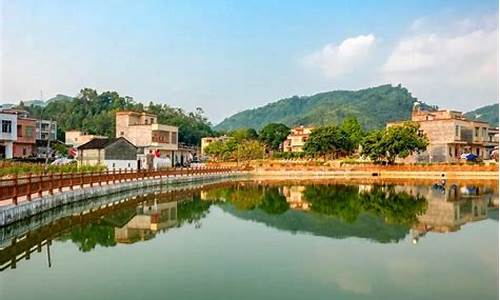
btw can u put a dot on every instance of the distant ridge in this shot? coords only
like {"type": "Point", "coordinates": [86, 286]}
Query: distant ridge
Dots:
{"type": "Point", "coordinates": [487, 113]}
{"type": "Point", "coordinates": [372, 106]}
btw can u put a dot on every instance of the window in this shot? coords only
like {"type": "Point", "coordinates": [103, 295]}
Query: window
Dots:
{"type": "Point", "coordinates": [24, 151]}
{"type": "Point", "coordinates": [484, 133]}
{"type": "Point", "coordinates": [121, 133]}
{"type": "Point", "coordinates": [174, 137]}
{"type": "Point", "coordinates": [152, 120]}
{"type": "Point", "coordinates": [457, 130]}
{"type": "Point", "coordinates": [19, 131]}
{"type": "Point", "coordinates": [6, 126]}
{"type": "Point", "coordinates": [29, 131]}
{"type": "Point", "coordinates": [476, 132]}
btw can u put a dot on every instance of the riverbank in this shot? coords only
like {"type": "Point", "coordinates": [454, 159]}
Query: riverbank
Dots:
{"type": "Point", "coordinates": [269, 169]}
{"type": "Point", "coordinates": [12, 213]}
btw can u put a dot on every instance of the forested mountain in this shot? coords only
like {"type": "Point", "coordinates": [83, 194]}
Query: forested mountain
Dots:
{"type": "Point", "coordinates": [95, 113]}
{"type": "Point", "coordinates": [372, 106]}
{"type": "Point", "coordinates": [487, 113]}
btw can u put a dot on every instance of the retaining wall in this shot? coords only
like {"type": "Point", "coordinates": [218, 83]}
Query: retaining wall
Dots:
{"type": "Point", "coordinates": [13, 213]}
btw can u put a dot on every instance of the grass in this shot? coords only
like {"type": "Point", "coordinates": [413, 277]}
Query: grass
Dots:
{"type": "Point", "coordinates": [22, 168]}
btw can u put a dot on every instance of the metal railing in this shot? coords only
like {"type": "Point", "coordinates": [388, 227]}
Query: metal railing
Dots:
{"type": "Point", "coordinates": [36, 184]}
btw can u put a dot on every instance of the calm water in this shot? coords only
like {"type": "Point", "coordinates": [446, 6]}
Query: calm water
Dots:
{"type": "Point", "coordinates": [249, 241]}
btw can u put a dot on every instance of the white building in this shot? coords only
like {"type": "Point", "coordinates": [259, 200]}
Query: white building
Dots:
{"type": "Point", "coordinates": [8, 134]}
{"type": "Point", "coordinates": [113, 153]}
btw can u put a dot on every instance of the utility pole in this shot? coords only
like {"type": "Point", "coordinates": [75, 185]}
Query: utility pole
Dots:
{"type": "Point", "coordinates": [48, 143]}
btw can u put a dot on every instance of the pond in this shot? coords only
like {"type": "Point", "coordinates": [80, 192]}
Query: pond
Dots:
{"type": "Point", "coordinates": [249, 240]}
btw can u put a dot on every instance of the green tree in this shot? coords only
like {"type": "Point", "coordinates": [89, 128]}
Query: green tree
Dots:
{"type": "Point", "coordinates": [244, 134]}
{"type": "Point", "coordinates": [327, 140]}
{"type": "Point", "coordinates": [393, 142]}
{"type": "Point", "coordinates": [353, 130]}
{"type": "Point", "coordinates": [372, 146]}
{"type": "Point", "coordinates": [273, 134]}
{"type": "Point", "coordinates": [250, 149]}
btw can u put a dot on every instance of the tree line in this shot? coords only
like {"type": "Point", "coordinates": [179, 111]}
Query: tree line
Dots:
{"type": "Point", "coordinates": [94, 113]}
{"type": "Point", "coordinates": [326, 142]}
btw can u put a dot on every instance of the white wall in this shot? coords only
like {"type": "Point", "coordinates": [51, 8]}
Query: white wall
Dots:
{"type": "Point", "coordinates": [120, 164]}
{"type": "Point", "coordinates": [9, 136]}
{"type": "Point", "coordinates": [9, 149]}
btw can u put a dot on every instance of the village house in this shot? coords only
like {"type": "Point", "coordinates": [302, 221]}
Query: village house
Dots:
{"type": "Point", "coordinates": [25, 145]}
{"type": "Point", "coordinates": [113, 153]}
{"type": "Point", "coordinates": [8, 134]}
{"type": "Point", "coordinates": [46, 131]}
{"type": "Point", "coordinates": [296, 139]}
{"type": "Point", "coordinates": [451, 134]}
{"type": "Point", "coordinates": [75, 138]}
{"type": "Point", "coordinates": [151, 138]}
{"type": "Point", "coordinates": [209, 140]}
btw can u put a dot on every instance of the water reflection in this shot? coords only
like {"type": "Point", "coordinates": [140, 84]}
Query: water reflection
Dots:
{"type": "Point", "coordinates": [379, 213]}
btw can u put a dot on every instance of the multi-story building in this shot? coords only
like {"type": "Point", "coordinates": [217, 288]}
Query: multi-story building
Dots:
{"type": "Point", "coordinates": [451, 134]}
{"type": "Point", "coordinates": [46, 129]}
{"type": "Point", "coordinates": [76, 138]}
{"type": "Point", "coordinates": [296, 139]}
{"type": "Point", "coordinates": [8, 134]}
{"type": "Point", "coordinates": [143, 130]}
{"type": "Point", "coordinates": [209, 140]}
{"type": "Point", "coordinates": [25, 145]}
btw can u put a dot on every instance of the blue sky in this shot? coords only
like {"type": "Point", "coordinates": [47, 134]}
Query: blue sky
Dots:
{"type": "Point", "coordinates": [226, 56]}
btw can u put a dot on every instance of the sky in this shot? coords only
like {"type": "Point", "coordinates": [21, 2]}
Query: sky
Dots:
{"type": "Point", "coordinates": [227, 56]}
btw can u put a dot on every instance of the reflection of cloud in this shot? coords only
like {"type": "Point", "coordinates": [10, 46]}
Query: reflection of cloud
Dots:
{"type": "Point", "coordinates": [357, 285]}
{"type": "Point", "coordinates": [405, 270]}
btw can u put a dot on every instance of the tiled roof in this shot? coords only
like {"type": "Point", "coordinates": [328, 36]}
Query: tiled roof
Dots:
{"type": "Point", "coordinates": [99, 143]}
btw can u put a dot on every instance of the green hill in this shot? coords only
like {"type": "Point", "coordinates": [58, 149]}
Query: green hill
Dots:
{"type": "Point", "coordinates": [487, 113]}
{"type": "Point", "coordinates": [372, 106]}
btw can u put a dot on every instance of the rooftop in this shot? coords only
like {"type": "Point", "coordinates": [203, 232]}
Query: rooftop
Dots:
{"type": "Point", "coordinates": [100, 143]}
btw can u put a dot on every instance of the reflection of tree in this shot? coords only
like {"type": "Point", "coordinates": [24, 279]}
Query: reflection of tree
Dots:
{"type": "Point", "coordinates": [274, 202]}
{"type": "Point", "coordinates": [347, 203]}
{"type": "Point", "coordinates": [192, 210]}
{"type": "Point", "coordinates": [89, 235]}
{"type": "Point", "coordinates": [395, 207]}
{"type": "Point", "coordinates": [247, 198]}
{"type": "Point", "coordinates": [338, 200]}
{"type": "Point", "coordinates": [269, 199]}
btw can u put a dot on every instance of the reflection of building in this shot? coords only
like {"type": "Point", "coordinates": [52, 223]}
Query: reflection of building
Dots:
{"type": "Point", "coordinates": [150, 217]}
{"type": "Point", "coordinates": [295, 197]}
{"type": "Point", "coordinates": [296, 139]}
{"type": "Point", "coordinates": [450, 207]}
{"type": "Point", "coordinates": [450, 134]}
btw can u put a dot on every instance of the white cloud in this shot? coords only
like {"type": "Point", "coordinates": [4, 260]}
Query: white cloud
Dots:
{"type": "Point", "coordinates": [335, 60]}
{"type": "Point", "coordinates": [455, 67]}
